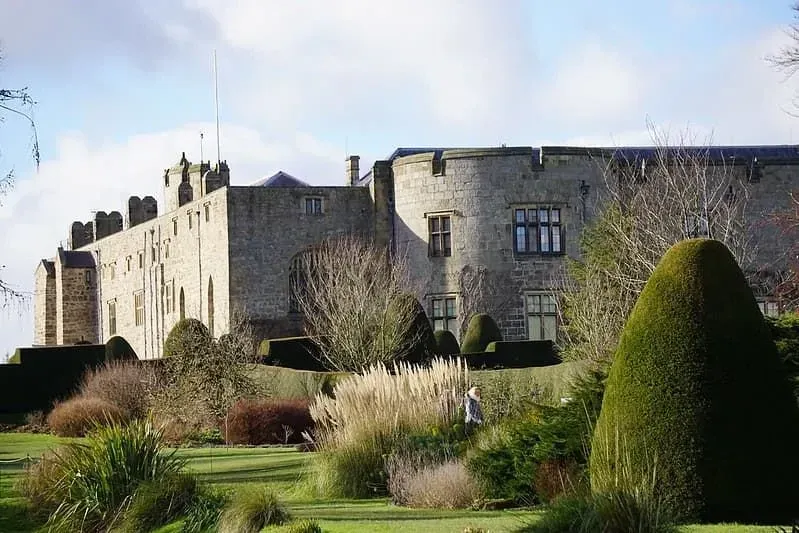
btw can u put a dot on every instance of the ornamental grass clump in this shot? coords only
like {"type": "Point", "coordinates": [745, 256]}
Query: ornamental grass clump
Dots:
{"type": "Point", "coordinates": [89, 486]}
{"type": "Point", "coordinates": [369, 413]}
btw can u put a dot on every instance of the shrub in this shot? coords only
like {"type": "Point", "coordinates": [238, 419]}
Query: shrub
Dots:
{"type": "Point", "coordinates": [303, 526]}
{"type": "Point", "coordinates": [92, 483]}
{"type": "Point", "coordinates": [126, 384]}
{"type": "Point", "coordinates": [785, 332]}
{"type": "Point", "coordinates": [481, 330]}
{"type": "Point", "coordinates": [417, 483]}
{"type": "Point", "coordinates": [15, 358]}
{"type": "Point", "coordinates": [521, 354]}
{"type": "Point", "coordinates": [117, 348]}
{"type": "Point", "coordinates": [256, 421]}
{"type": "Point", "coordinates": [156, 503]}
{"type": "Point", "coordinates": [251, 510]}
{"type": "Point", "coordinates": [184, 336]}
{"type": "Point", "coordinates": [421, 341]}
{"type": "Point", "coordinates": [299, 353]}
{"type": "Point", "coordinates": [696, 382]}
{"type": "Point", "coordinates": [554, 477]}
{"type": "Point", "coordinates": [77, 416]}
{"type": "Point", "coordinates": [370, 412]}
{"type": "Point", "coordinates": [203, 514]}
{"type": "Point", "coordinates": [446, 343]}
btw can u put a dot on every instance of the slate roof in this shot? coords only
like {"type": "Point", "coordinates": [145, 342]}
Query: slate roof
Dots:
{"type": "Point", "coordinates": [49, 266]}
{"type": "Point", "coordinates": [75, 259]}
{"type": "Point", "coordinates": [281, 179]}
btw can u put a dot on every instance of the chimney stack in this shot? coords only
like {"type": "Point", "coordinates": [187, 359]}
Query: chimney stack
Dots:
{"type": "Point", "coordinates": [353, 170]}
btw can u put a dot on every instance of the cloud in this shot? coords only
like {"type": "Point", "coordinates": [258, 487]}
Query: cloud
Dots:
{"type": "Point", "coordinates": [83, 177]}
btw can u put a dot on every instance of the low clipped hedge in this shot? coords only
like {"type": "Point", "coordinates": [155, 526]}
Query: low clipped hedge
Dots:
{"type": "Point", "coordinates": [298, 353]}
{"type": "Point", "coordinates": [521, 354]}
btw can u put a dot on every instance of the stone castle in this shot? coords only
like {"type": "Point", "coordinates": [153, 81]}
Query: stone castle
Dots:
{"type": "Point", "coordinates": [456, 214]}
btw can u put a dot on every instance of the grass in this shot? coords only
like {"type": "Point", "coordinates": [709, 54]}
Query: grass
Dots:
{"type": "Point", "coordinates": [279, 469]}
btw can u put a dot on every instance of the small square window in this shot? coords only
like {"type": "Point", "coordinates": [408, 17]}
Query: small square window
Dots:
{"type": "Point", "coordinates": [313, 206]}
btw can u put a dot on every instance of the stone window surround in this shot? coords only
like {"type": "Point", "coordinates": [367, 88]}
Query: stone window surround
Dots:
{"type": "Point", "coordinates": [447, 315]}
{"type": "Point", "coordinates": [536, 226]}
{"type": "Point", "coordinates": [313, 205]}
{"type": "Point", "coordinates": [543, 311]}
{"type": "Point", "coordinates": [439, 231]}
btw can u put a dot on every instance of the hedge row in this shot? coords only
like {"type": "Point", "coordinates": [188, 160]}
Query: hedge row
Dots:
{"type": "Point", "coordinates": [301, 353]}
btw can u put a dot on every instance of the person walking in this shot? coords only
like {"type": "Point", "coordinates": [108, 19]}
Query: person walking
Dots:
{"type": "Point", "coordinates": [474, 413]}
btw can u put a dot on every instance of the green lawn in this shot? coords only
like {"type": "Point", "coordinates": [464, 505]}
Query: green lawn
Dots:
{"type": "Point", "coordinates": [281, 468]}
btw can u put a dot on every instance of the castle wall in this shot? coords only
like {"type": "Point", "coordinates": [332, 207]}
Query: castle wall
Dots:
{"type": "Point", "coordinates": [152, 261]}
{"type": "Point", "coordinates": [479, 190]}
{"type": "Point", "coordinates": [268, 227]}
{"type": "Point", "coordinates": [76, 305]}
{"type": "Point", "coordinates": [44, 304]}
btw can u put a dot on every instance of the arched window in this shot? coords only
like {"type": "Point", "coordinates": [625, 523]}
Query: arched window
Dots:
{"type": "Point", "coordinates": [182, 304]}
{"type": "Point", "coordinates": [211, 305]}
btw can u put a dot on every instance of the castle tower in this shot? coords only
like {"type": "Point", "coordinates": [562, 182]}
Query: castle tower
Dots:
{"type": "Point", "coordinates": [75, 297]}
{"type": "Point", "coordinates": [177, 189]}
{"type": "Point", "coordinates": [186, 182]}
{"type": "Point", "coordinates": [44, 304]}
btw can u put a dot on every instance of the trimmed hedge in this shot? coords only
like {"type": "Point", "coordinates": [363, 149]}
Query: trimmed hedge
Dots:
{"type": "Point", "coordinates": [183, 336]}
{"type": "Point", "coordinates": [45, 374]}
{"type": "Point", "coordinates": [446, 343]}
{"type": "Point", "coordinates": [257, 421]}
{"type": "Point", "coordinates": [117, 348]}
{"type": "Point", "coordinates": [425, 346]}
{"type": "Point", "coordinates": [521, 354]}
{"type": "Point", "coordinates": [479, 333]}
{"type": "Point", "coordinates": [299, 353]}
{"type": "Point", "coordinates": [697, 384]}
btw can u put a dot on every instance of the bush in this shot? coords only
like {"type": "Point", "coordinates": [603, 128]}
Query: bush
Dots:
{"type": "Point", "coordinates": [15, 358]}
{"type": "Point", "coordinates": [91, 484]}
{"type": "Point", "coordinates": [251, 510]}
{"type": "Point", "coordinates": [481, 330]}
{"type": "Point", "coordinates": [446, 343]}
{"type": "Point", "coordinates": [697, 383]}
{"type": "Point", "coordinates": [117, 348]}
{"type": "Point", "coordinates": [256, 421]}
{"type": "Point", "coordinates": [555, 477]}
{"type": "Point", "coordinates": [785, 332]}
{"type": "Point", "coordinates": [184, 336]}
{"type": "Point", "coordinates": [420, 335]}
{"type": "Point", "coordinates": [370, 412]}
{"type": "Point", "coordinates": [303, 526]}
{"type": "Point", "coordinates": [203, 514]}
{"type": "Point", "coordinates": [76, 417]}
{"type": "Point", "coordinates": [417, 483]}
{"type": "Point", "coordinates": [522, 354]}
{"type": "Point", "coordinates": [156, 503]}
{"type": "Point", "coordinates": [126, 384]}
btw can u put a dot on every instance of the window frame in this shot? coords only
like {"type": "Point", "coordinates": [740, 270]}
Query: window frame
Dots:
{"type": "Point", "coordinates": [534, 226]}
{"type": "Point", "coordinates": [138, 308]}
{"type": "Point", "coordinates": [310, 205]}
{"type": "Point", "coordinates": [112, 317]}
{"type": "Point", "coordinates": [438, 236]}
{"type": "Point", "coordinates": [207, 209]}
{"type": "Point", "coordinates": [541, 313]}
{"type": "Point", "coordinates": [445, 316]}
{"type": "Point", "coordinates": [764, 303]}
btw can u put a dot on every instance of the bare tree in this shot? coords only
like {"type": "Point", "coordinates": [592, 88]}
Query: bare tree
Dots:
{"type": "Point", "coordinates": [680, 191]}
{"type": "Point", "coordinates": [205, 376]}
{"type": "Point", "coordinates": [356, 302]}
{"type": "Point", "coordinates": [12, 103]}
{"type": "Point", "coordinates": [482, 291]}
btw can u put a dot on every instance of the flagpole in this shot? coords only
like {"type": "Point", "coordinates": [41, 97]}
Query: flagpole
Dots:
{"type": "Point", "coordinates": [216, 98]}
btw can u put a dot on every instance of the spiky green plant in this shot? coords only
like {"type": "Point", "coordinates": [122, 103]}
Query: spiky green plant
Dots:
{"type": "Point", "coordinates": [96, 480]}
{"type": "Point", "coordinates": [250, 510]}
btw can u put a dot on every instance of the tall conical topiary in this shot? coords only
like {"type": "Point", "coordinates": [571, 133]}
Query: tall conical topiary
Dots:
{"type": "Point", "coordinates": [446, 343]}
{"type": "Point", "coordinates": [481, 330]}
{"type": "Point", "coordinates": [697, 390]}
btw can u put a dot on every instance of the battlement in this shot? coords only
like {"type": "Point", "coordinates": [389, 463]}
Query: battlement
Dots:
{"type": "Point", "coordinates": [186, 181]}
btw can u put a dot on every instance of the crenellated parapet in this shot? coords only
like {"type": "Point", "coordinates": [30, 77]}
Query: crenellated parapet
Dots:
{"type": "Point", "coordinates": [187, 181]}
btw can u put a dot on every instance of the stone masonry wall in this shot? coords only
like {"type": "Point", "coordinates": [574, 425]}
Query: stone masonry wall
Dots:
{"type": "Point", "coordinates": [159, 259]}
{"type": "Point", "coordinates": [268, 227]}
{"type": "Point", "coordinates": [480, 189]}
{"type": "Point", "coordinates": [76, 309]}
{"type": "Point", "coordinates": [44, 307]}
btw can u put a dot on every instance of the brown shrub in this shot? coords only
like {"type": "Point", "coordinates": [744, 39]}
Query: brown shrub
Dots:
{"type": "Point", "coordinates": [260, 421]}
{"type": "Point", "coordinates": [75, 417]}
{"type": "Point", "coordinates": [126, 384]}
{"type": "Point", "coordinates": [447, 485]}
{"type": "Point", "coordinates": [555, 477]}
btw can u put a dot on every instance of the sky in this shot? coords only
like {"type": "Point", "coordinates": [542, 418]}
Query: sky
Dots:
{"type": "Point", "coordinates": [123, 87]}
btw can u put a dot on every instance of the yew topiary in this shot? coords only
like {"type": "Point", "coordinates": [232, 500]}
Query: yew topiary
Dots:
{"type": "Point", "coordinates": [697, 395]}
{"type": "Point", "coordinates": [479, 333]}
{"type": "Point", "coordinates": [118, 349]}
{"type": "Point", "coordinates": [446, 343]}
{"type": "Point", "coordinates": [186, 336]}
